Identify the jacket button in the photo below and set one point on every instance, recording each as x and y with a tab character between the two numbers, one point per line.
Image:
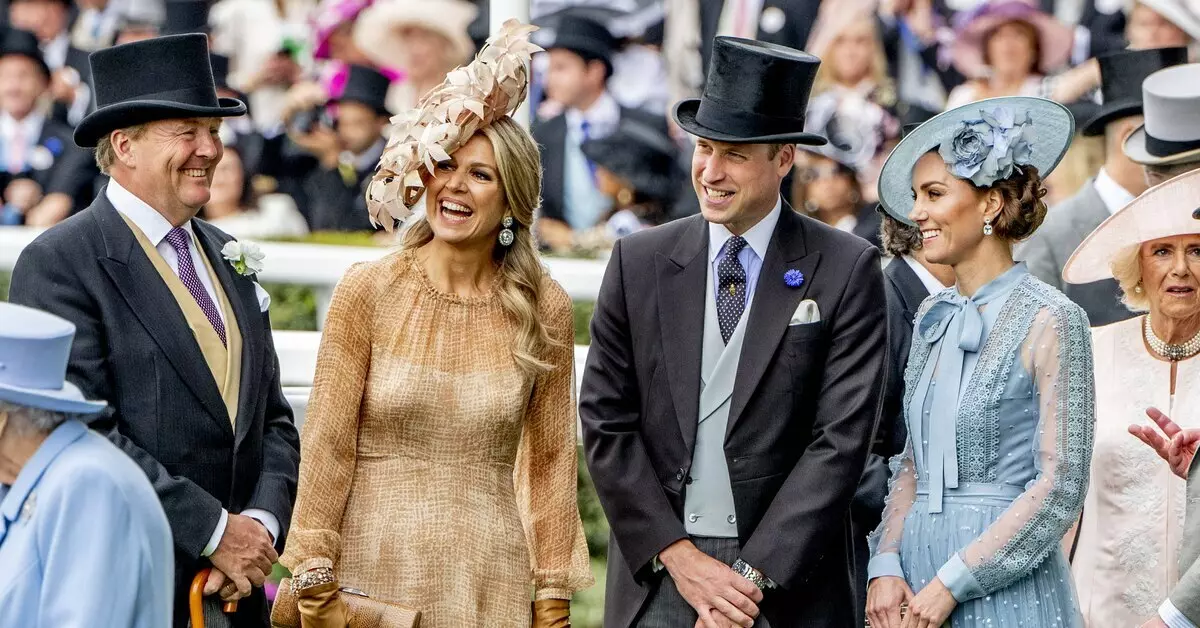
693	517
731	519
679	476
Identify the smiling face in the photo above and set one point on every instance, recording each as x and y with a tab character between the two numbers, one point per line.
464	201
1171	276
171	165
738	184
949	211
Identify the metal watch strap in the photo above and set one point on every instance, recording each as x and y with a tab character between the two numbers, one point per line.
753	575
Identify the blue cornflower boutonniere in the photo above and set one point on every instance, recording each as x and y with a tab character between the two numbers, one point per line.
54	145
793	278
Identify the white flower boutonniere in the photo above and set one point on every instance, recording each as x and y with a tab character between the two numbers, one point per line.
245	257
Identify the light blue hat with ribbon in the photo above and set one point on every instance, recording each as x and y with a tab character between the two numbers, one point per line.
34	349
983	142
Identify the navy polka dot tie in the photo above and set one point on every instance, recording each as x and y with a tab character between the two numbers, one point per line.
731	287
178	239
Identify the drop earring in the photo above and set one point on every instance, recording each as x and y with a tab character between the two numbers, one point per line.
506	234
1138	288
987	226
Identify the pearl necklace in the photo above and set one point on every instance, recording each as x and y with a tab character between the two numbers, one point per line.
1174	353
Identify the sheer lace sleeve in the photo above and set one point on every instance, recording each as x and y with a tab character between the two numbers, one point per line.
1057	353
902	492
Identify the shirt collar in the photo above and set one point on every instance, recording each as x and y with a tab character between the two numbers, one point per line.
931	283
757	237
153	224
603	116
58	440
1114	196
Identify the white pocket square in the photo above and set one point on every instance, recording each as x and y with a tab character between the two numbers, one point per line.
806	312
264	299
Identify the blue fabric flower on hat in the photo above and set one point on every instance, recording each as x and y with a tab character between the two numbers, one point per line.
793	278
990	148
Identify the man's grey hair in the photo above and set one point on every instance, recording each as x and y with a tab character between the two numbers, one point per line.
28	421
1159	174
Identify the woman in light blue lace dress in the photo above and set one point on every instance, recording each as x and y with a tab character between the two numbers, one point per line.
999	392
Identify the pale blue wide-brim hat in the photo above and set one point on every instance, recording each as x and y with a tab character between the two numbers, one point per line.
1053	127
34	349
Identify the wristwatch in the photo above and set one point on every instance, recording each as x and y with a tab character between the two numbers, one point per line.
753	575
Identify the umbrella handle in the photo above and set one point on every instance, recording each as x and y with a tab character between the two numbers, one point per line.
196	599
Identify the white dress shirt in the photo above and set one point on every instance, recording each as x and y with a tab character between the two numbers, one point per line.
930	282
602	117
1114	196
1172	617
29	130
156	227
757	238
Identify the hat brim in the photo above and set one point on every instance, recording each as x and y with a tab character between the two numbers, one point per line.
685	116
1055	41
125	114
1053	124
1135	150
1107	113
1163	211
68	400
375	29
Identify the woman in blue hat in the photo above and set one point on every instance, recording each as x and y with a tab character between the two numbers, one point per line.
83	539
999	392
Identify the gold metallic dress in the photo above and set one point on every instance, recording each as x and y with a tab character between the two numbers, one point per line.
435	474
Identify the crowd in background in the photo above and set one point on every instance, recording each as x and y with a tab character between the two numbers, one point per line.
322	80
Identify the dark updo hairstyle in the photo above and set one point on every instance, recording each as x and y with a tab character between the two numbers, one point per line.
1022	208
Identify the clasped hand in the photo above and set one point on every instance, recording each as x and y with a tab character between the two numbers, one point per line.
721	596
928	609
242	560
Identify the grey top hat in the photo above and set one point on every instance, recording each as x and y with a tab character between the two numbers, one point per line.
1171	103
1051	127
34	349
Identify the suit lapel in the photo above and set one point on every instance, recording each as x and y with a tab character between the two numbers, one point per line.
774	303
244	301
1094	212
908	284
154	306
681	293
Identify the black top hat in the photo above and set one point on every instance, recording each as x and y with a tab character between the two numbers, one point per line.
756	93
368	87
185	16
643	156
586	37
18	42
1121	76
220	70
154	79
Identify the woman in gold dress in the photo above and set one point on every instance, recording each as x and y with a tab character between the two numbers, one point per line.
439	468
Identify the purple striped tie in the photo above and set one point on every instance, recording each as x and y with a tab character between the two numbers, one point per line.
179	240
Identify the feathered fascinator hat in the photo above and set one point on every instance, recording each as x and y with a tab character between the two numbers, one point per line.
472	97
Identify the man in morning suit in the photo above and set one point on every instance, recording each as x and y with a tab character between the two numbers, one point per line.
174	335
735	377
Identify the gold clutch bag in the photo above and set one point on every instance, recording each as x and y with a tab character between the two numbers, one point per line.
364	611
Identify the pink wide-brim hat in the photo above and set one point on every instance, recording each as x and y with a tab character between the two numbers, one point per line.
329	15
377	32
1171	208
1055	39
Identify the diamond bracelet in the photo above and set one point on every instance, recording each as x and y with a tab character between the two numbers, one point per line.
312	578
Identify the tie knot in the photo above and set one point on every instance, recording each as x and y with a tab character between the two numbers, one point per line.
735	245
178	239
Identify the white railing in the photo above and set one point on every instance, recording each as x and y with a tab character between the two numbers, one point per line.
320	266
297	351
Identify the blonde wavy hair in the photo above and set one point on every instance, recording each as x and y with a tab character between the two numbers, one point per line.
878	72
521	269
1127	269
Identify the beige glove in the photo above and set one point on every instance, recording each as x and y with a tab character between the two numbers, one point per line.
552	614
320	607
